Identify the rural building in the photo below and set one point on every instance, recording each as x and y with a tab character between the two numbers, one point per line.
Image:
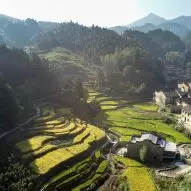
171	97
157	148
186	115
185	118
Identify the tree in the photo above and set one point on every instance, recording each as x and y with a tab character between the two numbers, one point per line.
1	40
9	109
100	78
160	99
143	153
188	70
16	177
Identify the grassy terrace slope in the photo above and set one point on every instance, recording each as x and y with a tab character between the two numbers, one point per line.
137	175
65	61
128	119
53	146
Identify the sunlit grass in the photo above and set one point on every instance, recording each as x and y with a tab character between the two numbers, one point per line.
32	143
43	164
102	167
51	159
138	176
64	111
80	165
147	106
97	154
137	122
61	130
108	102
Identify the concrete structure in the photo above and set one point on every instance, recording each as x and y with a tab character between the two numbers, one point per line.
157	148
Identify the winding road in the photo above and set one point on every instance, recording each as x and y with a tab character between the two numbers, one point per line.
38	112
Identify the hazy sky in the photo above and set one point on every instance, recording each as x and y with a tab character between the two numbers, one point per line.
100	12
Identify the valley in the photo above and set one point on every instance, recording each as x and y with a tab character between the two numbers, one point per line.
88	108
67	153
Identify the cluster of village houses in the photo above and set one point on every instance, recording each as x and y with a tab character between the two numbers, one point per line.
180	103
158	148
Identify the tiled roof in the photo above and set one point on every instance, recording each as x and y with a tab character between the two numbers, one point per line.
168	146
187	109
146	136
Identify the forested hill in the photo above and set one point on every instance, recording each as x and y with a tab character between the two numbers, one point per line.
118	60
131	55
26	78
78	38
19	33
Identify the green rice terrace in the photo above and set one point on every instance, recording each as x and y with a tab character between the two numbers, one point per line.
68	154
123	120
62	150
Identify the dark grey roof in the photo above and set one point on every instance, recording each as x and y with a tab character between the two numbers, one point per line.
171	94
187	109
187	100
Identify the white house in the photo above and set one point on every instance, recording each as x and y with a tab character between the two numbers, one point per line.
186	117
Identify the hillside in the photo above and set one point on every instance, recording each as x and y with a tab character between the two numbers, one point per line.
19	33
145	28
102	48
183	20
72	97
176	28
151	18
65	63
179	26
90	42
46	26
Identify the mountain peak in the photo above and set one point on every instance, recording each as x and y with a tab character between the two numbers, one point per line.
152	14
150	18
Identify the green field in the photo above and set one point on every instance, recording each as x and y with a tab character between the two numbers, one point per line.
64	60
138	176
56	140
134	119
130	121
82	170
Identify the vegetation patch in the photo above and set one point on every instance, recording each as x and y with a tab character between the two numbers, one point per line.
138	176
147	106
135	122
32	143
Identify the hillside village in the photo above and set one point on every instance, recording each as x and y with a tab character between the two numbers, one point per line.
179	102
79	112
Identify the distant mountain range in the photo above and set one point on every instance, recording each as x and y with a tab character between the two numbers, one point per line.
5	20
18	33
180	26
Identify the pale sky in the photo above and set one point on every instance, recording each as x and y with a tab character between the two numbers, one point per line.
99	12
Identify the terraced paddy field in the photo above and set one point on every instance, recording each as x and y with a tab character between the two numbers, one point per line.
62	151
138	176
129	119
106	102
65	152
126	119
